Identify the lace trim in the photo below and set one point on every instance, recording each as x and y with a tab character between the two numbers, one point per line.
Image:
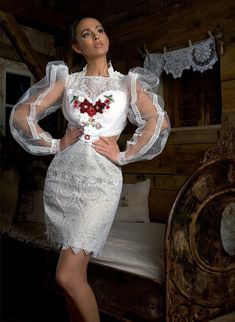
200	57
134	99
110	69
93	87
122	160
155	63
60	245
33	129
203	55
55	146
77	250
33	112
45	137
177	61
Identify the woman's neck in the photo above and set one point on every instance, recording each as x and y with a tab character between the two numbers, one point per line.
98	67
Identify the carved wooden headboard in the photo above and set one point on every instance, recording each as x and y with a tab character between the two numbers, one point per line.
200	240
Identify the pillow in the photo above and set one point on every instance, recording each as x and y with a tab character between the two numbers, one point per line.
31	208
133	204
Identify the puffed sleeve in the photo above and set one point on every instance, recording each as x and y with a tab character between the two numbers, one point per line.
147	113
40	100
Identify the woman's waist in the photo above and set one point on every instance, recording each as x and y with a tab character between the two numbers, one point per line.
89	138
92	133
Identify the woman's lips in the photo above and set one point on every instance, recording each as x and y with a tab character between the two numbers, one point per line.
98	45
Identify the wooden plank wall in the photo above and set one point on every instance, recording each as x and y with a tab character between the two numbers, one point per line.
186	147
182	155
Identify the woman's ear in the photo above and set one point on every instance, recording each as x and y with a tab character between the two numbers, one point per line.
76	48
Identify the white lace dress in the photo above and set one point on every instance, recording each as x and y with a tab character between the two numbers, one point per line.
82	187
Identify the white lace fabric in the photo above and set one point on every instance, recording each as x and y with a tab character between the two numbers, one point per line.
177	61
81	195
155	63
203	55
98	105
40	100
147	112
200	57
82	187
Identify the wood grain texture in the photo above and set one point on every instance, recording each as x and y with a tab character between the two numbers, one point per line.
22	45
199	272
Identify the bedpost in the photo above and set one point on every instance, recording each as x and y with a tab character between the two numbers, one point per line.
199	244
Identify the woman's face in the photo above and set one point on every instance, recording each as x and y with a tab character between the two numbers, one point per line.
92	41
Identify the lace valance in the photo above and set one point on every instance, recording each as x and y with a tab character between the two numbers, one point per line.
200	56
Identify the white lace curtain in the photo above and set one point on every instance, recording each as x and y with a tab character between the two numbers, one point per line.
200	56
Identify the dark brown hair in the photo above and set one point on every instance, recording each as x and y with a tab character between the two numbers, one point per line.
76	61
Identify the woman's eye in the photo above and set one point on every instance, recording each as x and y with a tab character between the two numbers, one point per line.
85	35
100	30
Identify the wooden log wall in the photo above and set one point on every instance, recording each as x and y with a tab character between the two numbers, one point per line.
186	147
182	155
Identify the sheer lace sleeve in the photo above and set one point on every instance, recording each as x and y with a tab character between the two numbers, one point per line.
40	100
146	111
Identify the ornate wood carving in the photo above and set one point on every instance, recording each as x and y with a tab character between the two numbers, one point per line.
224	147
199	272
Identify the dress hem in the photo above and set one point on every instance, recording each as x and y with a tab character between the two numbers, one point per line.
75	249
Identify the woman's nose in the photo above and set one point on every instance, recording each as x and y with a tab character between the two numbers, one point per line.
96	36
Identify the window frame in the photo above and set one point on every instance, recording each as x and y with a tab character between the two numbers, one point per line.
13	67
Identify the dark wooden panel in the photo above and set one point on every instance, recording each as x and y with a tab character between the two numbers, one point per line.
175	159
160	203
126	295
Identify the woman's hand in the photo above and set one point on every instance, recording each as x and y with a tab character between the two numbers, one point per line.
107	147
71	136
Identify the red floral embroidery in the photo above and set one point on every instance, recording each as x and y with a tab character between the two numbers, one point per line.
92	109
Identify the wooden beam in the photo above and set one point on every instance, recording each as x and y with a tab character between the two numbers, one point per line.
22	45
36	13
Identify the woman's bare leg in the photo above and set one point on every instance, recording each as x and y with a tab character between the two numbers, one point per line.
74	314
71	275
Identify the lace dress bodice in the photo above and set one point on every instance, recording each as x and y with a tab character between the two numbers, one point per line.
98	105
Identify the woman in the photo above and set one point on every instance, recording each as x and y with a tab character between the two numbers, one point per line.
84	179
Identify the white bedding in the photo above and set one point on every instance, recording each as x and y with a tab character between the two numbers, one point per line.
136	248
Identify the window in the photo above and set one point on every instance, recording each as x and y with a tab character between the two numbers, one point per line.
16	86
194	99
15	79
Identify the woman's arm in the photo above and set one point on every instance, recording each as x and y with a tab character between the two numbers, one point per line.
147	113
39	101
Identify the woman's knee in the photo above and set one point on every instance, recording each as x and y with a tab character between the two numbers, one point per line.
71	273
63	279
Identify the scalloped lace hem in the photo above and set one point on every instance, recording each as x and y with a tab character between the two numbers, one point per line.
75	249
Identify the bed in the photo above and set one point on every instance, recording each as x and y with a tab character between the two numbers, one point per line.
183	270
197	278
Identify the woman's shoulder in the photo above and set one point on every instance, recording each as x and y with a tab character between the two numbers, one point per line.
56	65
144	77
57	70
